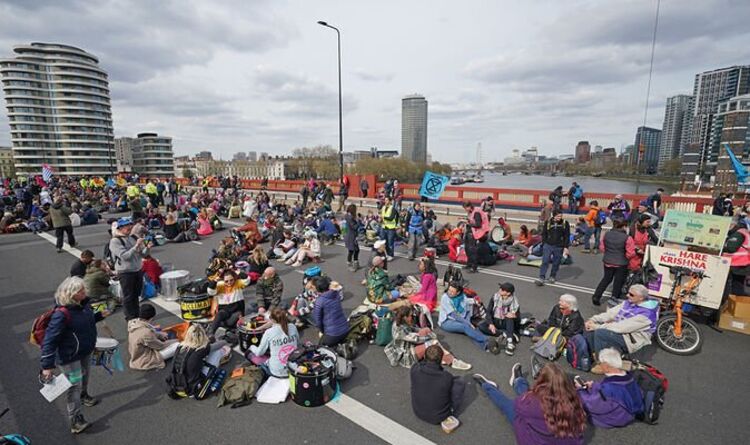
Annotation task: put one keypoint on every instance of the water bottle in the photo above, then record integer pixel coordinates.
(218, 380)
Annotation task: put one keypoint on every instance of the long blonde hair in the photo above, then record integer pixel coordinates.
(259, 256)
(67, 290)
(195, 337)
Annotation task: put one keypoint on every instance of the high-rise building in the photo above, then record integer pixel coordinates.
(239, 156)
(647, 142)
(124, 154)
(583, 152)
(148, 154)
(252, 156)
(676, 128)
(709, 90)
(414, 128)
(59, 110)
(731, 127)
(263, 156)
(7, 168)
(204, 155)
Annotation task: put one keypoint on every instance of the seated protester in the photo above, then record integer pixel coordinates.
(379, 250)
(436, 394)
(455, 316)
(626, 327)
(214, 220)
(258, 262)
(456, 251)
(564, 316)
(310, 249)
(410, 342)
(617, 399)
(504, 317)
(89, 216)
(148, 348)
(328, 315)
(380, 290)
(96, 282)
(192, 354)
(37, 222)
(173, 229)
(548, 413)
(277, 235)
(235, 210)
(204, 225)
(152, 270)
(268, 290)
(519, 244)
(427, 293)
(281, 339)
(485, 255)
(327, 230)
(303, 304)
(285, 247)
(78, 269)
(582, 228)
(230, 299)
(508, 237)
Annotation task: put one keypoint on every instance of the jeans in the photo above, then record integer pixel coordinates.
(573, 206)
(599, 339)
(509, 326)
(464, 327)
(353, 255)
(597, 232)
(131, 284)
(78, 374)
(503, 402)
(413, 244)
(59, 231)
(551, 254)
(390, 240)
(618, 274)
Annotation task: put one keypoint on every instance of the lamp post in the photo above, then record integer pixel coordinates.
(341, 124)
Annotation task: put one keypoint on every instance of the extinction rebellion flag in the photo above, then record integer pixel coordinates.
(433, 185)
(46, 172)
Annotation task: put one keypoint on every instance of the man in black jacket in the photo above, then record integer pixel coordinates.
(436, 394)
(555, 242)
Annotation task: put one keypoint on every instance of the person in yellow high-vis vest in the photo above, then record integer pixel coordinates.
(389, 219)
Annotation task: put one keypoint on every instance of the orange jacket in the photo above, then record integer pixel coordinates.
(590, 217)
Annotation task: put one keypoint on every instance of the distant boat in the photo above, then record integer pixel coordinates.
(478, 178)
(457, 180)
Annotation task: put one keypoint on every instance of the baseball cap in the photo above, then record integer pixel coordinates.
(126, 221)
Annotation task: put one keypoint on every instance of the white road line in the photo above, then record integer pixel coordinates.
(367, 418)
(197, 242)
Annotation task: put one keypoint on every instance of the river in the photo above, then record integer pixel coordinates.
(588, 183)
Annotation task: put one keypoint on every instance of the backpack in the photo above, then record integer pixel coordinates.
(360, 327)
(551, 345)
(384, 334)
(601, 218)
(577, 353)
(109, 256)
(348, 349)
(452, 275)
(240, 388)
(39, 327)
(653, 385)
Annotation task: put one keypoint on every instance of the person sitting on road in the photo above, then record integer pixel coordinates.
(327, 230)
(614, 401)
(188, 366)
(504, 317)
(152, 270)
(436, 394)
(286, 247)
(78, 269)
(310, 249)
(148, 348)
(328, 314)
(427, 293)
(96, 282)
(268, 290)
(380, 290)
(455, 316)
(626, 327)
(410, 342)
(230, 299)
(456, 251)
(564, 316)
(281, 339)
(251, 232)
(173, 229)
(258, 262)
(204, 224)
(550, 412)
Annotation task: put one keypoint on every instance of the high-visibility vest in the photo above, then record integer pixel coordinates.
(479, 232)
(741, 257)
(389, 224)
(133, 191)
(150, 188)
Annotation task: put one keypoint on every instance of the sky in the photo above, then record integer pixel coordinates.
(261, 75)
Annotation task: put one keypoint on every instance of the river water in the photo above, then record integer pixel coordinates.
(589, 184)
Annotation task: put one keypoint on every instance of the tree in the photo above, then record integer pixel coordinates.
(187, 173)
(672, 167)
(402, 169)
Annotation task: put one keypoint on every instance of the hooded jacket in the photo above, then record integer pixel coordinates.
(636, 322)
(70, 338)
(60, 215)
(328, 315)
(144, 346)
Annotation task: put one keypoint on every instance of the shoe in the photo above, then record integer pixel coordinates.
(595, 251)
(586, 251)
(88, 400)
(493, 346)
(363, 282)
(510, 347)
(536, 366)
(355, 266)
(389, 258)
(539, 282)
(78, 424)
(551, 280)
(596, 301)
(460, 365)
(515, 373)
(597, 370)
(535, 338)
(482, 380)
(411, 258)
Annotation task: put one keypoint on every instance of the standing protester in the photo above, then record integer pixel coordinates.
(488, 206)
(593, 227)
(398, 194)
(364, 186)
(555, 242)
(127, 254)
(350, 238)
(415, 220)
(479, 224)
(556, 197)
(60, 215)
(343, 195)
(389, 218)
(654, 202)
(737, 250)
(575, 193)
(544, 215)
(618, 249)
(305, 193)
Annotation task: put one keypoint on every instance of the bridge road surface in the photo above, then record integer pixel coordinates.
(707, 402)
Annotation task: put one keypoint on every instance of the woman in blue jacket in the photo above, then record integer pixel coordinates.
(69, 340)
(328, 315)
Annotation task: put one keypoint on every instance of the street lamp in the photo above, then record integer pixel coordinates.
(341, 124)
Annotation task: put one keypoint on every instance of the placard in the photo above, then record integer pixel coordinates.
(695, 229)
(711, 288)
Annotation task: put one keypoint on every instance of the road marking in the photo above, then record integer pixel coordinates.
(367, 418)
(197, 242)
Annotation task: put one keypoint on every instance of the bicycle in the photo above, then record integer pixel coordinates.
(675, 332)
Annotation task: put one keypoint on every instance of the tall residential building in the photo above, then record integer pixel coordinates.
(676, 128)
(148, 154)
(59, 110)
(731, 127)
(647, 142)
(414, 128)
(710, 89)
(7, 168)
(124, 154)
(583, 152)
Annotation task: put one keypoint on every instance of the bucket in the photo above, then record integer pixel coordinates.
(171, 280)
(312, 378)
(250, 332)
(195, 307)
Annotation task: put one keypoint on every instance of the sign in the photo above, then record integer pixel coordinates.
(711, 288)
(695, 229)
(433, 185)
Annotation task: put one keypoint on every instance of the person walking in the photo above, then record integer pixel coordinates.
(555, 243)
(364, 187)
(60, 215)
(389, 218)
(593, 227)
(350, 238)
(305, 193)
(575, 193)
(343, 195)
(618, 248)
(127, 253)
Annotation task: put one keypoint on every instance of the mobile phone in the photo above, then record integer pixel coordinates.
(580, 381)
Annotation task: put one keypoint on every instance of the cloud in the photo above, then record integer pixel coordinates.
(370, 76)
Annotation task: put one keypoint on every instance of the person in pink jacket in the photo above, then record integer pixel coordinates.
(204, 225)
(427, 294)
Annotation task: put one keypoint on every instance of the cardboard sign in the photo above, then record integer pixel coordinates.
(695, 229)
(711, 288)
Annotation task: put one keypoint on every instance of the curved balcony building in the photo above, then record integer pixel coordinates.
(59, 110)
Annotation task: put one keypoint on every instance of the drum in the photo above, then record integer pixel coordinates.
(172, 280)
(106, 354)
(242, 266)
(497, 234)
(195, 307)
(249, 331)
(312, 378)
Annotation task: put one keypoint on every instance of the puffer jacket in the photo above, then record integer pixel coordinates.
(636, 322)
(71, 338)
(328, 315)
(96, 282)
(144, 346)
(60, 215)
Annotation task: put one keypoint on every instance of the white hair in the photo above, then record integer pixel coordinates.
(67, 290)
(611, 356)
(640, 290)
(571, 300)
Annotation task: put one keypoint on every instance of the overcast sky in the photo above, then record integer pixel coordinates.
(231, 76)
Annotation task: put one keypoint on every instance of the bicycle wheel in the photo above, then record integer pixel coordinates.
(688, 343)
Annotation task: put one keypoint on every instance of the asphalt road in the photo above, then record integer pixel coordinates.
(707, 401)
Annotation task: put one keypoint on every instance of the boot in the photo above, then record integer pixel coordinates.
(354, 266)
(78, 424)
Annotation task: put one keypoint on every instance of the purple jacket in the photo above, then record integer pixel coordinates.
(612, 402)
(328, 315)
(649, 309)
(530, 426)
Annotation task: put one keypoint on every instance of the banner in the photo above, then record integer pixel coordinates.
(433, 185)
(695, 229)
(711, 288)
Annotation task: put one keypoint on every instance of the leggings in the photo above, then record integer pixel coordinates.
(353, 255)
(228, 315)
(330, 340)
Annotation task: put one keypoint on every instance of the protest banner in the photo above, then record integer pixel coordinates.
(695, 229)
(433, 185)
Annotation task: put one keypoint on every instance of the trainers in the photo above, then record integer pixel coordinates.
(551, 280)
(482, 380)
(539, 282)
(88, 400)
(510, 347)
(536, 366)
(78, 424)
(515, 373)
(460, 365)
(389, 258)
(493, 346)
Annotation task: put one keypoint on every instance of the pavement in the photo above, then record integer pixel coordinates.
(707, 402)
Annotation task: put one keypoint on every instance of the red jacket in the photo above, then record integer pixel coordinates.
(152, 269)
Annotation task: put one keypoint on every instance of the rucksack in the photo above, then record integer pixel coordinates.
(384, 334)
(360, 328)
(109, 256)
(241, 386)
(601, 218)
(577, 353)
(39, 327)
(551, 345)
(347, 350)
(654, 385)
(452, 275)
